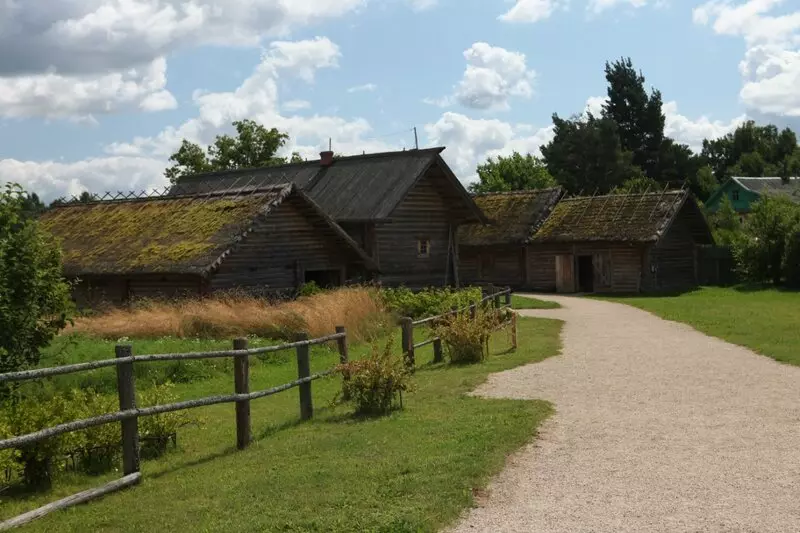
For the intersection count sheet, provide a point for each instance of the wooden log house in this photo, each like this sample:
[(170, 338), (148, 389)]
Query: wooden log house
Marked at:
[(263, 240), (403, 208)]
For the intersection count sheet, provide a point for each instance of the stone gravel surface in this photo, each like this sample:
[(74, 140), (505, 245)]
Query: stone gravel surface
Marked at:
[(657, 428)]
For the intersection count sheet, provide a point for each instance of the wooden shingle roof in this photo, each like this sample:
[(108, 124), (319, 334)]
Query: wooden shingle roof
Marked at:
[(635, 217), (513, 216), (166, 234), (354, 188)]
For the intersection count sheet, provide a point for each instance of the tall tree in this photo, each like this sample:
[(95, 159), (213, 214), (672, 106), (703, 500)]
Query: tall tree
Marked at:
[(253, 146), (586, 155), (513, 173), (638, 115), (32, 206)]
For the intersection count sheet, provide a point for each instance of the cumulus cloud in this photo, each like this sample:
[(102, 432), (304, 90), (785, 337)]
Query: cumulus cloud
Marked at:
[(493, 76), (693, 131), (598, 6), (771, 66), (531, 10), (81, 97), (367, 87), (296, 105), (141, 161)]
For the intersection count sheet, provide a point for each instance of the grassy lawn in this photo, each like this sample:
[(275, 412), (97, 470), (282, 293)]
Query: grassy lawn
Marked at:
[(525, 302), (764, 320), (412, 471)]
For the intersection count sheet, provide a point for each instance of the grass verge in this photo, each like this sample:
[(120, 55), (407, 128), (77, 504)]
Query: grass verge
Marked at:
[(414, 470), (764, 320), (526, 302)]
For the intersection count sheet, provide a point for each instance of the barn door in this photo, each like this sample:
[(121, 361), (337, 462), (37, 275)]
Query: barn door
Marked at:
[(602, 270), (565, 273)]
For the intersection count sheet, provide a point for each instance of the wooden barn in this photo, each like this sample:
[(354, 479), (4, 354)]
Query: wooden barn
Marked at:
[(638, 242), (403, 209), (266, 239), (498, 253)]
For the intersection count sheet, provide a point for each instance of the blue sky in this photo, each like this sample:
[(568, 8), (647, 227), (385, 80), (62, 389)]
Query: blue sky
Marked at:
[(95, 94)]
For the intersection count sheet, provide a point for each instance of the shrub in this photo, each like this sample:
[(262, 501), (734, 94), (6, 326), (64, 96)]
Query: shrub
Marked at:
[(34, 299), (375, 385), (100, 446), (427, 302), (8, 458), (791, 259), (310, 289), (466, 338), (156, 431)]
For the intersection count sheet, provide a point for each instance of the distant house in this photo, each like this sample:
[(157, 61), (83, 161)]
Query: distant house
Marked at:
[(403, 209), (263, 240), (636, 242), (742, 192), (500, 253)]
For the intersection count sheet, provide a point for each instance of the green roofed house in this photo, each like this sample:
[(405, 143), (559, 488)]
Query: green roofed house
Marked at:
[(499, 252), (743, 192), (264, 240)]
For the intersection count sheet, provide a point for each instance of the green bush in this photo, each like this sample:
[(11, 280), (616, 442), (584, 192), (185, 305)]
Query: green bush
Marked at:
[(466, 338), (791, 259), (310, 289), (375, 385), (156, 431), (427, 302)]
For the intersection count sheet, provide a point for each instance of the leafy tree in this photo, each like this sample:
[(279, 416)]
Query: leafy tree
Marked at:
[(639, 117), (34, 298), (703, 183), (639, 185), (513, 173), (586, 155), (760, 254), (253, 146), (725, 224), (32, 206), (791, 258)]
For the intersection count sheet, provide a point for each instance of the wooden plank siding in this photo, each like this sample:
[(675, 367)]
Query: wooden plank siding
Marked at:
[(423, 214), (96, 291), (674, 258), (283, 245), (496, 265)]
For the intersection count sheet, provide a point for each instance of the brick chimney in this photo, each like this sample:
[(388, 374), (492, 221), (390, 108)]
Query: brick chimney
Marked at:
[(326, 158)]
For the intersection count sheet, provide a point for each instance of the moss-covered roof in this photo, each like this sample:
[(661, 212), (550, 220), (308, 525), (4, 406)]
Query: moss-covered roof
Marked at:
[(513, 216), (165, 234), (635, 217)]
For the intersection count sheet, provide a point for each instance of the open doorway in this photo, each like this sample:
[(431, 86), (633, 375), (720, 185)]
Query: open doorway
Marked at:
[(585, 273), (325, 279)]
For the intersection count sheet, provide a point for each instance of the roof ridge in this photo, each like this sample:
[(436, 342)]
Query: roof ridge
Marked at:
[(520, 192), (623, 195)]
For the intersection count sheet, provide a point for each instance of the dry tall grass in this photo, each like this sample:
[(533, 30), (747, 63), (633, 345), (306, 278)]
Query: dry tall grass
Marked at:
[(358, 309)]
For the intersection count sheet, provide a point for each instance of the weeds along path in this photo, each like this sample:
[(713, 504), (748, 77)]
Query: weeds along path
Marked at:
[(658, 428)]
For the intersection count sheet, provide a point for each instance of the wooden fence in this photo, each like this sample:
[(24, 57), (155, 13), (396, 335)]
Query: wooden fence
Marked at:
[(128, 414), (494, 300)]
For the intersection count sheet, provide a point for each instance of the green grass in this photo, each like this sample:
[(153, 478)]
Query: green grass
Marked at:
[(524, 302), (764, 320), (414, 470)]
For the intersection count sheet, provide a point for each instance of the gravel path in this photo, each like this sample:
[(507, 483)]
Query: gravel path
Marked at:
[(658, 428)]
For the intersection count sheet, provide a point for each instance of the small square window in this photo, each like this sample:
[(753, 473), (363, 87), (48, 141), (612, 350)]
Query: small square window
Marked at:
[(423, 248), (736, 195)]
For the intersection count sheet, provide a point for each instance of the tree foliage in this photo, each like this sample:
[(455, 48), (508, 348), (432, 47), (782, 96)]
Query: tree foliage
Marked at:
[(253, 146), (513, 173), (34, 298), (725, 224)]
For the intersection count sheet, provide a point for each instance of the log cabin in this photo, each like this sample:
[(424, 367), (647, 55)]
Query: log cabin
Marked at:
[(497, 253), (619, 243), (263, 240), (402, 208)]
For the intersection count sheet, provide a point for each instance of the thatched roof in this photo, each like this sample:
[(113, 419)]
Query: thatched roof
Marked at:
[(635, 217), (513, 216), (167, 234), (354, 188)]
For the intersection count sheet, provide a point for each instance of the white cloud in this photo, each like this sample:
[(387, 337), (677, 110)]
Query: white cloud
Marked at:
[(470, 141), (296, 105), (422, 5), (367, 87), (81, 97), (598, 6), (771, 66), (692, 132), (445, 101), (531, 10)]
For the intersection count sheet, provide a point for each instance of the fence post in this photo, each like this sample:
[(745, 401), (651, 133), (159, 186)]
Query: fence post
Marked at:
[(344, 356), (407, 340), (473, 309), (126, 388), (438, 356), (241, 383), (513, 330), (304, 371), (497, 300), (508, 296)]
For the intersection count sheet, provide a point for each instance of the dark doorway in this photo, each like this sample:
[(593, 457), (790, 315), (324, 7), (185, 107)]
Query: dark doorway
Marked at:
[(585, 273), (325, 279)]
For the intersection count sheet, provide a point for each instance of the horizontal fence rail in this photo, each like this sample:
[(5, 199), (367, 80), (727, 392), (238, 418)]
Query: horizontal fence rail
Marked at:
[(129, 414)]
